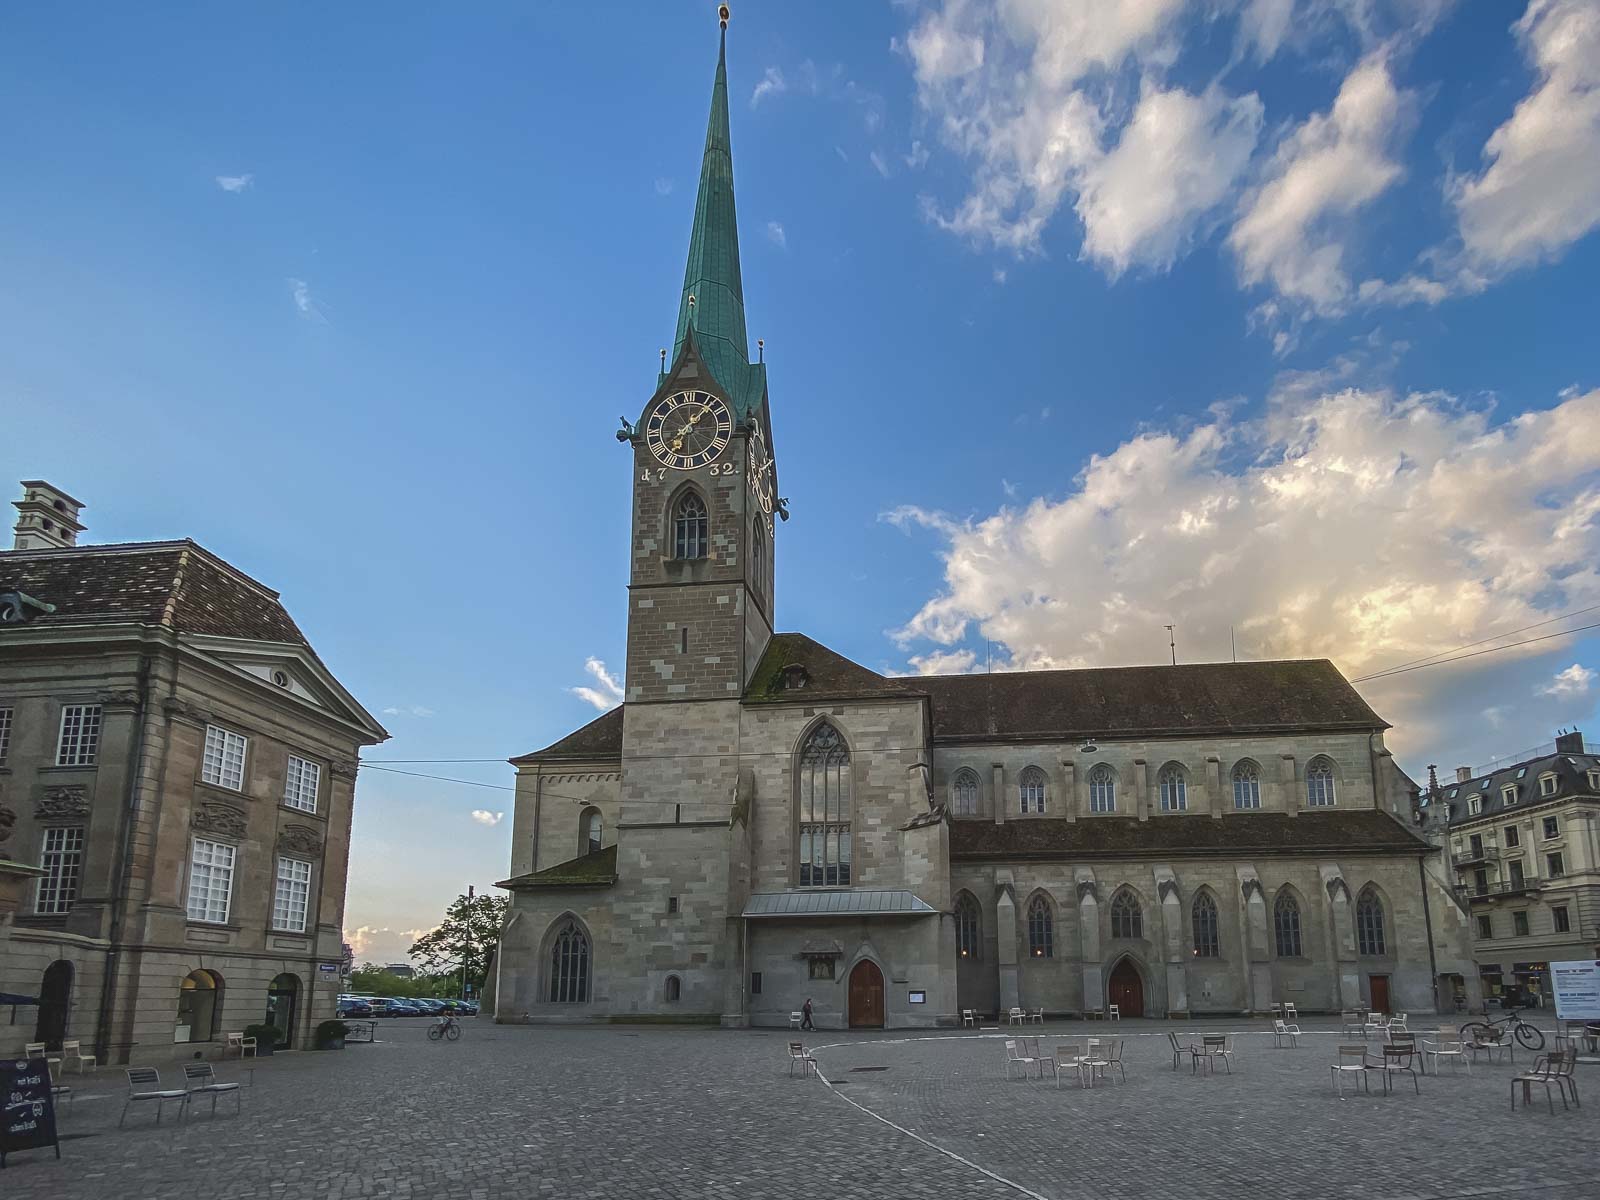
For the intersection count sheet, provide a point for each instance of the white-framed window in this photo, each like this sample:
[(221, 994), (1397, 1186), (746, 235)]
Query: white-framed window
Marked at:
[(1594, 776), (210, 881), (1474, 805), (292, 896), (1508, 796), (1552, 827), (300, 783), (62, 862), (223, 764), (1102, 789), (1174, 789), (79, 744), (1247, 785), (1031, 789), (5, 734), (1547, 785), (1319, 784)]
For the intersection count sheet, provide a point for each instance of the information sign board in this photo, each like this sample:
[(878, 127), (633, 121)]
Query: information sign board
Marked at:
[(1577, 989), (28, 1121)]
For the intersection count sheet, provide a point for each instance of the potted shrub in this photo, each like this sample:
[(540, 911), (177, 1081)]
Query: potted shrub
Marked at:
[(266, 1037), (330, 1035)]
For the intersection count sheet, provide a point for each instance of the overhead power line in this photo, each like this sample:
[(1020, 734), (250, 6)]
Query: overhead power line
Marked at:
[(1577, 612), (1423, 666)]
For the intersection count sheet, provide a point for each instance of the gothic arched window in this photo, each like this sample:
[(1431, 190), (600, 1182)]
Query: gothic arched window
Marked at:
[(1030, 789), (1041, 929), (1286, 925), (964, 792), (593, 825), (690, 528), (569, 966), (1246, 785), (969, 929), (1127, 920), (1204, 919), (824, 809), (1369, 924), (1319, 783), (1174, 789), (1102, 789)]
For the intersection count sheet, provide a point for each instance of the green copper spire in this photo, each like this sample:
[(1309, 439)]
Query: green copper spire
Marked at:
[(712, 276)]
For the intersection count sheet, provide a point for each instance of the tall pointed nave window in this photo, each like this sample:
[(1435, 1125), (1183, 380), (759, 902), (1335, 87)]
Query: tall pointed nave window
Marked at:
[(824, 809), (690, 528)]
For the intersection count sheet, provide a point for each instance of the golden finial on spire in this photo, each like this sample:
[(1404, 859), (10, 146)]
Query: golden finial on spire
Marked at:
[(722, 15)]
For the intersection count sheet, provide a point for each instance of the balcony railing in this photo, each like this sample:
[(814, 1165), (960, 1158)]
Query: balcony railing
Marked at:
[(1496, 891)]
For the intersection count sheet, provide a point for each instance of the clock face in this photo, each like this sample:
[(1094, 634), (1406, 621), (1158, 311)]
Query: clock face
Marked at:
[(760, 470), (688, 430)]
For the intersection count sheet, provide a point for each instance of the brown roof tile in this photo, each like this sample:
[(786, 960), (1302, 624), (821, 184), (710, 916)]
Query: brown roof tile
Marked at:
[(600, 738), (1350, 831), (597, 869), (178, 585)]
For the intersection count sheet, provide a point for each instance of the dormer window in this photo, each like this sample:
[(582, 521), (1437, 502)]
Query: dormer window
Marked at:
[(1594, 781), (793, 677), (1547, 785), (1508, 795), (1474, 805)]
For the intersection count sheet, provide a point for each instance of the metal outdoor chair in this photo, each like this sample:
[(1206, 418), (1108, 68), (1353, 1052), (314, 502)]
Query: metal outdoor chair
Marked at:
[(1290, 1012), (1036, 1015), (1179, 1049), (794, 1020), (1446, 1043), (72, 1054), (1353, 1061), (1068, 1056), (1014, 1016), (200, 1080), (1545, 1073), (1113, 1013), (1100, 1062), (1212, 1047), (1352, 1023), (59, 1092), (38, 1050), (1015, 1058), (1491, 1042), (238, 1041), (1397, 1060), (798, 1055), (1281, 1030), (144, 1083)]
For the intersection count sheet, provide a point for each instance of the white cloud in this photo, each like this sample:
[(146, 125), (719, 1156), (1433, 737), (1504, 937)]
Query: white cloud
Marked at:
[(1177, 160), (484, 817), (408, 710), (235, 183), (1575, 681), (776, 236), (944, 662), (308, 307), (1365, 527), (1540, 191), (607, 692), (918, 156), (1265, 24), (1000, 275), (770, 84), (663, 186), (1290, 234), (878, 163)]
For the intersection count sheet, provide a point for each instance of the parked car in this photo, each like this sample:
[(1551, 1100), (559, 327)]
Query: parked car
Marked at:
[(429, 1005), (352, 1006), (403, 1008), (466, 1008), (380, 1006)]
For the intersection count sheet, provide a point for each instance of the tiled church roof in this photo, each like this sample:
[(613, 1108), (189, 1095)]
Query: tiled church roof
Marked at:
[(1352, 831), (1104, 702), (176, 585), (598, 869), (600, 738)]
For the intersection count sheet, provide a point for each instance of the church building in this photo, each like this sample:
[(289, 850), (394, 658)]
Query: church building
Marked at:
[(763, 821)]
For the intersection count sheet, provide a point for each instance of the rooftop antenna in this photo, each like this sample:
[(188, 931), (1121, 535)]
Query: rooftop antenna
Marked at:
[(1172, 639), (663, 360), (1233, 644), (761, 349), (722, 15)]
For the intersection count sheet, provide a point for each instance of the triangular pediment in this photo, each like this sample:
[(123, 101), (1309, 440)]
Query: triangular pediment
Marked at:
[(293, 673)]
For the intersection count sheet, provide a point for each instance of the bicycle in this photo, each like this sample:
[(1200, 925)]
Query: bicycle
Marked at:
[(1528, 1035), (449, 1027)]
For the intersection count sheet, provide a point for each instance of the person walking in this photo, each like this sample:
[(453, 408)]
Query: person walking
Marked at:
[(805, 1015)]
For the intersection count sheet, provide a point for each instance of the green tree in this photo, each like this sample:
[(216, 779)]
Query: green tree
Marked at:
[(470, 929)]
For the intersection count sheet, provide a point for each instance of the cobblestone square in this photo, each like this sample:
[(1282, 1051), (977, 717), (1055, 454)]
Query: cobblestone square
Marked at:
[(653, 1112)]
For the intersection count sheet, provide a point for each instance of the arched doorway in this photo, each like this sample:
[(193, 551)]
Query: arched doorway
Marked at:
[(282, 997), (1125, 989), (199, 1007), (866, 996), (55, 1002)]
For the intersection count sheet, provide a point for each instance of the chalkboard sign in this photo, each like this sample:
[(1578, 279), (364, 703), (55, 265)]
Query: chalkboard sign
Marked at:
[(28, 1121)]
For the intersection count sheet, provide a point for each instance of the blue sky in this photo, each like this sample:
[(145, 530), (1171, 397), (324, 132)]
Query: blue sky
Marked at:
[(1082, 320)]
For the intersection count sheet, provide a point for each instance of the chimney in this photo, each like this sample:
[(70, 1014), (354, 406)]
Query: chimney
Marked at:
[(47, 518), (1570, 743), (1463, 774)]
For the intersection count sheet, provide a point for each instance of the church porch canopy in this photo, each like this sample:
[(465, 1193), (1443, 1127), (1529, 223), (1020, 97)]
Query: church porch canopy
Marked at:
[(810, 904)]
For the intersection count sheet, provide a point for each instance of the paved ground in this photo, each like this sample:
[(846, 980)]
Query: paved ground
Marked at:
[(617, 1112)]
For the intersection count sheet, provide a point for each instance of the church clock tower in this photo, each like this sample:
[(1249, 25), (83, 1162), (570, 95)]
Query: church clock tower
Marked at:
[(700, 585)]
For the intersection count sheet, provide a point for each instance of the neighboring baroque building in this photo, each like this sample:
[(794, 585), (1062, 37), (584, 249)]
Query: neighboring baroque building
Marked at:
[(1525, 844), (177, 768), (763, 821)]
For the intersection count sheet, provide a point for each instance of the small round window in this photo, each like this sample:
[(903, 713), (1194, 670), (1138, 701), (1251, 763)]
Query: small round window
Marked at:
[(281, 679)]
